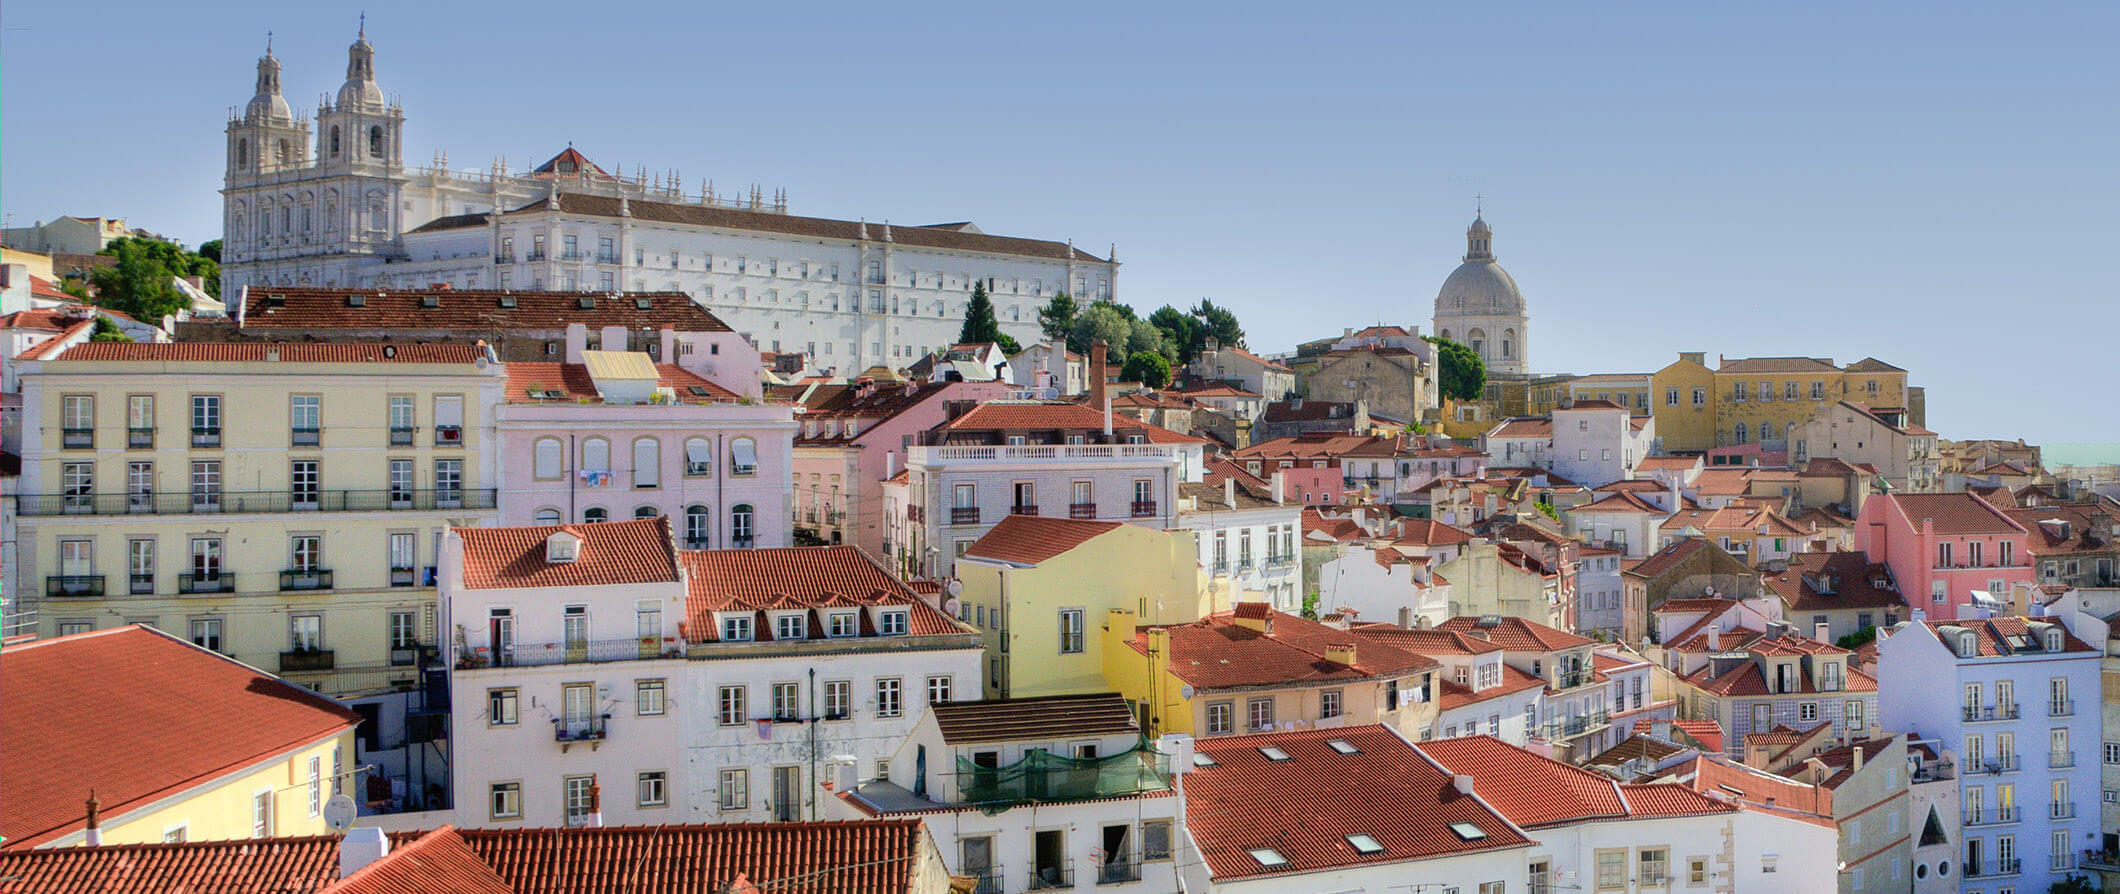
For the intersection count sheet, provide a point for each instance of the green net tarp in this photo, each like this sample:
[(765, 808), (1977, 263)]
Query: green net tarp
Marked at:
[(1044, 776)]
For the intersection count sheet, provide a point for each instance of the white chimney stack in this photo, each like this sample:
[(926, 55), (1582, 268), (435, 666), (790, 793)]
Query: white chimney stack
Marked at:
[(1462, 782), (362, 846)]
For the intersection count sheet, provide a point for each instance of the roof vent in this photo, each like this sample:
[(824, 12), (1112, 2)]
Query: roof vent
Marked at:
[(588, 302), (356, 301), (430, 301), (1462, 782), (507, 301), (390, 351)]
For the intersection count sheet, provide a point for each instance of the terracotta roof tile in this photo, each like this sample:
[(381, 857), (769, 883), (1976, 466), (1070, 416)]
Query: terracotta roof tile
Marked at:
[(1677, 463), (1999, 636), (1523, 427), (807, 577), (1620, 501), (1530, 790), (51, 347), (1958, 513), (1034, 719), (247, 352), (1754, 789), (158, 716), (277, 865), (1040, 415), (783, 858), (469, 311), (1308, 446), (1516, 634), (572, 382), (1823, 581), (1305, 807), (1454, 696), (1031, 539), (1217, 652), (625, 552), (436, 861), (1749, 365)]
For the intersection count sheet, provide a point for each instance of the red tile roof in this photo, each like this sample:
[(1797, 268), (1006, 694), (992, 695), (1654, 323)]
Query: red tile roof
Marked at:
[(436, 861), (797, 577), (1524, 427), (1516, 634), (845, 403), (572, 382), (1429, 532), (1031, 539), (158, 716), (781, 858), (2088, 526), (1621, 501), (277, 865), (1308, 446), (1240, 352), (1034, 719), (1454, 696), (1428, 641), (1217, 652), (625, 552), (255, 351), (1824, 581), (1305, 807), (1041, 415), (1534, 791), (1959, 513), (469, 311), (1679, 463), (1721, 778), (1999, 636)]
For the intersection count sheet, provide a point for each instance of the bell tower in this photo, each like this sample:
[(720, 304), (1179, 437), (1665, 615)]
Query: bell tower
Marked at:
[(267, 138), (359, 153)]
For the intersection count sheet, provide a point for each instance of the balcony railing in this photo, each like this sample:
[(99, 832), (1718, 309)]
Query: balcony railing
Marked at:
[(580, 652), (2061, 810), (573, 254), (535, 254), (1081, 510), (1052, 878), (1280, 561), (506, 257), (1144, 508), (307, 660), (139, 437), (73, 585), (2061, 708), (1572, 727), (234, 502), (2003, 866), (2102, 861), (607, 257), (400, 436), (305, 437), (1023, 510), (2001, 764), (206, 437), (1991, 816), (77, 438), (1978, 713), (1935, 771), (1571, 679), (1119, 872), (964, 515), (591, 729), (2060, 759), (1136, 453), (140, 584), (988, 882), (305, 579), (448, 436), (201, 584), (404, 577)]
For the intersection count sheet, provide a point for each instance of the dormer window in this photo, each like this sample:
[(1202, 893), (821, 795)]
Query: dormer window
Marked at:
[(842, 624), (793, 625), (892, 623), (562, 547), (2053, 640), (736, 628), (1968, 645)]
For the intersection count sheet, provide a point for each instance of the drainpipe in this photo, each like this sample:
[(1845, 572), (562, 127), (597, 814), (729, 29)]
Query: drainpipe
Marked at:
[(721, 480), (568, 468), (811, 798)]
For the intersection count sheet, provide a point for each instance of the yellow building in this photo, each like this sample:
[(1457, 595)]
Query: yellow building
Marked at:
[(277, 503), (1762, 400), (1254, 669), (161, 741), (1630, 390), (1035, 584), (1682, 397)]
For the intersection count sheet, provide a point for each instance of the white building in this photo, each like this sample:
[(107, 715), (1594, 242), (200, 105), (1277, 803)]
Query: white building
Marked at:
[(1247, 538), (1598, 590), (702, 686), (1481, 308), (1036, 794), (1575, 712), (1387, 584), (347, 211), (1592, 443)]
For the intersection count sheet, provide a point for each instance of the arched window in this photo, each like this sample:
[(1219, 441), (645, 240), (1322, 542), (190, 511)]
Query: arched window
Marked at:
[(641, 512), (699, 457), (1766, 430), (237, 232), (697, 522), (548, 516), (1508, 343), (375, 141), (647, 463), (286, 153), (1445, 334), (1738, 435), (545, 459), (596, 456), (334, 141), (242, 153), (743, 457), (1478, 342), (740, 526), (595, 514), (378, 216)]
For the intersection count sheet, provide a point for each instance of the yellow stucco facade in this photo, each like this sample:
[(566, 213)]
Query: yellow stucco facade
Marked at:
[(1032, 648), (283, 513), (1682, 398), (236, 805), (1750, 400)]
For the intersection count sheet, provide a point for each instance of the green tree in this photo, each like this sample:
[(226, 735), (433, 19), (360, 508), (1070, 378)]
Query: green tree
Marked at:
[(1218, 322), (2074, 884), (107, 331), (1181, 331), (1147, 367), (1463, 374), (141, 283), (980, 326), (211, 250), (1057, 317), (1100, 320)]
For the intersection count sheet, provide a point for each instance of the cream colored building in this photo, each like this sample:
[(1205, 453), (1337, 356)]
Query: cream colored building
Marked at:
[(281, 504)]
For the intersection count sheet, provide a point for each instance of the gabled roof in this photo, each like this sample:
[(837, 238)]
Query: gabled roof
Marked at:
[(255, 351), (1514, 633), (1539, 792), (1959, 513), (1755, 790), (1320, 445), (1240, 352), (1997, 637), (571, 382), (623, 552), (1872, 364), (1619, 501), (796, 577), (1650, 463), (1305, 807), (1824, 581), (1306, 411), (1454, 696), (2087, 526), (1429, 532), (435, 861), (1033, 719), (469, 312), (1748, 365), (1217, 652), (1052, 415), (1523, 427), (134, 715), (303, 865), (571, 163), (1031, 539), (781, 858), (1663, 560)]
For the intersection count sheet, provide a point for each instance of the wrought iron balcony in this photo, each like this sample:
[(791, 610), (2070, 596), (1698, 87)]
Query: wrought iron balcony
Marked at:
[(1119, 872), (400, 436), (1991, 816), (578, 652), (2000, 867), (206, 437), (77, 438), (964, 515), (73, 585), (1935, 771), (607, 257), (1082, 510), (1144, 508), (448, 436), (588, 729), (139, 437), (2061, 810), (988, 882), (1052, 878), (140, 584), (1981, 713), (2102, 861), (295, 579), (1023, 510), (305, 437), (2065, 707), (307, 660), (404, 577), (202, 584), (535, 254), (2060, 759), (209, 502)]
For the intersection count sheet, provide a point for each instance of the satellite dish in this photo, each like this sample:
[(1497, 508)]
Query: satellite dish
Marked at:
[(1185, 692), (955, 587), (340, 811)]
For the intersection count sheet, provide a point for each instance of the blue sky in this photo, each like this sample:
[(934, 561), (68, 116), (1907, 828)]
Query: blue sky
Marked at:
[(1931, 184)]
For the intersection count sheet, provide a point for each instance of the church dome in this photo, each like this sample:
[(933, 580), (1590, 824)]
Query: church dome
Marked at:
[(1479, 287), (268, 106), (360, 90)]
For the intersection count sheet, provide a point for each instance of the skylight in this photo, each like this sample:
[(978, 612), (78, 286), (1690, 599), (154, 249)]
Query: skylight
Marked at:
[(1343, 746), (1273, 752), (1201, 760), (1268, 857), (1468, 831), (1364, 844)]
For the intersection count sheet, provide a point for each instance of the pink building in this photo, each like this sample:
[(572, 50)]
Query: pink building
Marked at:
[(1942, 547), (851, 438), (613, 435)]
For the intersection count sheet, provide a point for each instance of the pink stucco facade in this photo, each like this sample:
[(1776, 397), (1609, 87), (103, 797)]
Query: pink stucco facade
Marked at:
[(1942, 547), (838, 482)]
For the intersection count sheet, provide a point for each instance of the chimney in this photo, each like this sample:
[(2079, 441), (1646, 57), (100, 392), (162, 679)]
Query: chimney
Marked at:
[(1254, 616), (846, 775), (1858, 757), (1463, 783), (361, 847), (1821, 632), (94, 833), (1405, 617), (614, 339), (1714, 639), (1340, 653), (1280, 495), (1229, 491), (596, 804), (1097, 374), (1123, 623)]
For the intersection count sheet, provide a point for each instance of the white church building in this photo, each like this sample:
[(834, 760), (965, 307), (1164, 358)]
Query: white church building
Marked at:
[(1481, 308), (330, 202)]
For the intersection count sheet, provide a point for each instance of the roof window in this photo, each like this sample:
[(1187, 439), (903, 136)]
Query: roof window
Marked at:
[(430, 301), (1365, 845), (1203, 761), (1268, 857), (507, 300), (1468, 831), (1273, 752), (1343, 746), (356, 301), (562, 547)]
